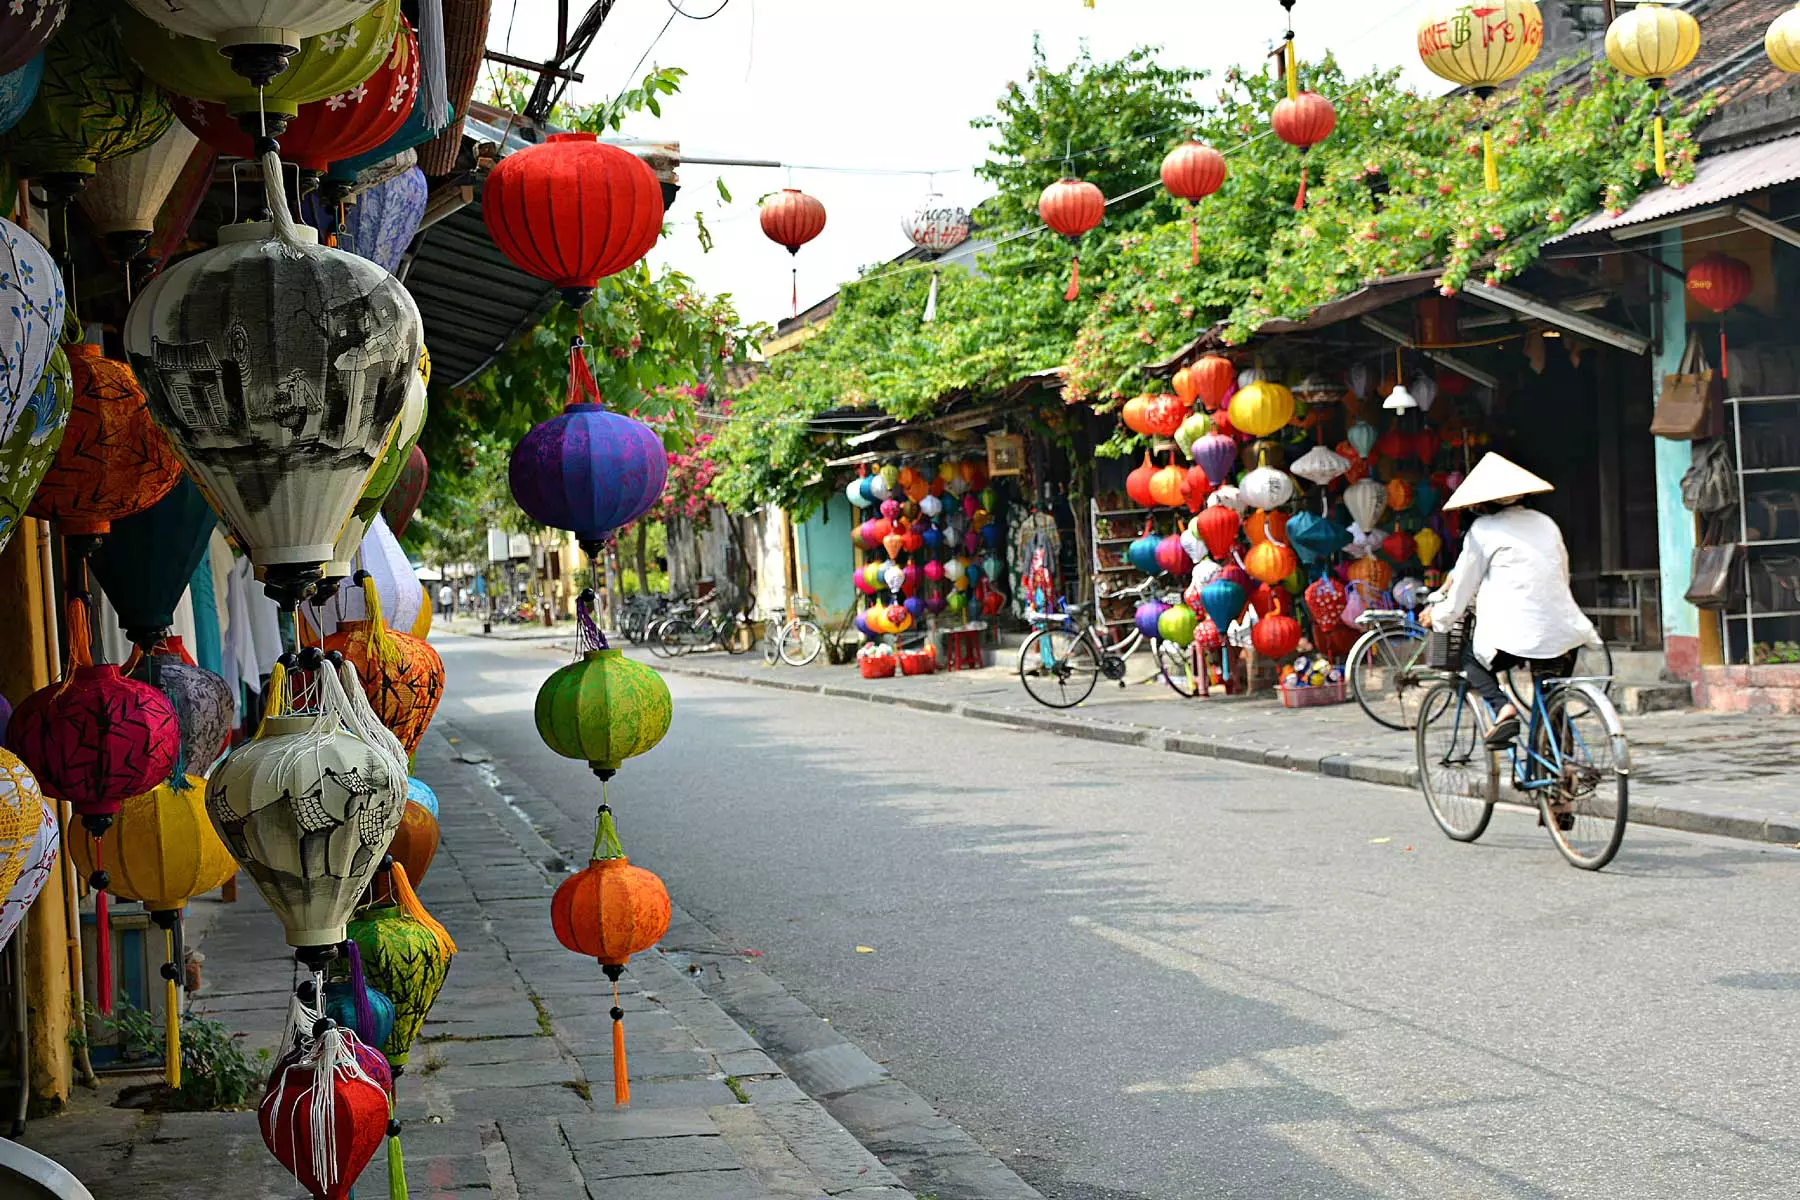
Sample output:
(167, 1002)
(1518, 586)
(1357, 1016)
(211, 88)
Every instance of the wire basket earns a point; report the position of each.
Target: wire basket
(1449, 646)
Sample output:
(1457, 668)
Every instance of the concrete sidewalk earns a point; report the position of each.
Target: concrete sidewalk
(1706, 772)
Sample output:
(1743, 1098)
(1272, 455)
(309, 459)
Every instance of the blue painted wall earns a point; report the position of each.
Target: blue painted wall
(824, 556)
(1674, 523)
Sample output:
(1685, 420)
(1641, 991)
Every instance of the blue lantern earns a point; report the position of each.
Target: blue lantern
(17, 90)
(421, 794)
(145, 563)
(1142, 553)
(383, 220)
(1223, 601)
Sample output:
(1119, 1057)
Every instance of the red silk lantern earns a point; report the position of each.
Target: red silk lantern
(1193, 171)
(1137, 484)
(1398, 545)
(1304, 121)
(791, 218)
(1206, 635)
(1199, 487)
(1164, 415)
(1215, 378)
(573, 210)
(1720, 282)
(1325, 600)
(1276, 635)
(327, 1083)
(1133, 413)
(1265, 599)
(1218, 528)
(1392, 444)
(1071, 207)
(330, 130)
(1168, 487)
(1425, 444)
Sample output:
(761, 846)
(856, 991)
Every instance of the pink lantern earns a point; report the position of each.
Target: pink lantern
(890, 509)
(909, 579)
(934, 570)
(1172, 557)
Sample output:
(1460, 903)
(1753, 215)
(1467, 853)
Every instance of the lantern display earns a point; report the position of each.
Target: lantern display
(1071, 207)
(1303, 121)
(279, 421)
(1261, 408)
(1218, 527)
(603, 708)
(384, 219)
(1276, 635)
(41, 857)
(1176, 624)
(324, 64)
(114, 461)
(1270, 562)
(791, 218)
(1168, 486)
(21, 814)
(26, 455)
(409, 488)
(401, 676)
(92, 104)
(18, 88)
(308, 807)
(1720, 282)
(1320, 465)
(1267, 488)
(1224, 601)
(573, 210)
(1782, 41)
(1193, 171)
(403, 601)
(26, 28)
(126, 193)
(1367, 500)
(1480, 46)
(608, 912)
(324, 1115)
(31, 319)
(406, 955)
(1652, 42)
(1214, 379)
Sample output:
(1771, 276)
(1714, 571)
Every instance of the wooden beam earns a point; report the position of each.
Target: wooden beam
(1461, 366)
(1562, 318)
(445, 201)
(525, 64)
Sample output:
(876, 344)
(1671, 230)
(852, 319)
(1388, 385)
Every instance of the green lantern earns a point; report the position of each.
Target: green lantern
(324, 65)
(406, 956)
(92, 105)
(605, 708)
(27, 454)
(1177, 624)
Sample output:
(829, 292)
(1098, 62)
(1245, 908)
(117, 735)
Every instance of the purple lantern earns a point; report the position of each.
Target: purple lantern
(385, 218)
(862, 625)
(935, 602)
(25, 28)
(1148, 613)
(1216, 454)
(589, 470)
(1224, 601)
(915, 606)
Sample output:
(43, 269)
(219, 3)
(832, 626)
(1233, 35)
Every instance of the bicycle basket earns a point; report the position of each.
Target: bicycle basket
(1448, 646)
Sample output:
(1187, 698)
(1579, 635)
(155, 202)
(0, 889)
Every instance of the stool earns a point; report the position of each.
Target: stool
(962, 650)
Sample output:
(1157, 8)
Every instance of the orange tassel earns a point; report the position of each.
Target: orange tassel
(621, 1076)
(1300, 200)
(1724, 357)
(1074, 279)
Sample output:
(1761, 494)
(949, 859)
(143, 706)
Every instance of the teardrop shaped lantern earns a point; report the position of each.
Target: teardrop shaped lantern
(145, 563)
(384, 219)
(308, 807)
(415, 843)
(603, 708)
(381, 481)
(1071, 207)
(1480, 44)
(278, 367)
(409, 488)
(257, 36)
(573, 210)
(114, 460)
(401, 675)
(92, 105)
(1303, 121)
(324, 1114)
(126, 193)
(406, 954)
(26, 28)
(25, 457)
(1193, 171)
(1652, 42)
(325, 64)
(205, 705)
(18, 88)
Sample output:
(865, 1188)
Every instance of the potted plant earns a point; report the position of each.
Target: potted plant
(840, 637)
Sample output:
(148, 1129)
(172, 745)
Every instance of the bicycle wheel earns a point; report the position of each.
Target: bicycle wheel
(1582, 746)
(653, 637)
(736, 636)
(675, 637)
(1385, 674)
(1458, 774)
(1058, 668)
(801, 642)
(771, 647)
(1179, 666)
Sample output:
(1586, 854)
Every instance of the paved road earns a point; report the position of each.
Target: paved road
(1139, 978)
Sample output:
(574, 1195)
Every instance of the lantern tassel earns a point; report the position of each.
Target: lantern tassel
(1293, 75)
(275, 195)
(582, 387)
(396, 1161)
(1300, 200)
(1490, 170)
(794, 286)
(621, 1072)
(359, 990)
(931, 299)
(1724, 356)
(1193, 234)
(385, 649)
(1656, 132)
(1074, 288)
(103, 949)
(171, 1013)
(409, 901)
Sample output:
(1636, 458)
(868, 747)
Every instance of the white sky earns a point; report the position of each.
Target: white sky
(854, 83)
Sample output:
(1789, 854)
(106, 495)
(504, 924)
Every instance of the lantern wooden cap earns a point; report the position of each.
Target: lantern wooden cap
(263, 231)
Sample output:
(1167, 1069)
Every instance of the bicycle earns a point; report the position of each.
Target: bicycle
(795, 640)
(640, 611)
(1573, 758)
(666, 634)
(706, 630)
(1066, 655)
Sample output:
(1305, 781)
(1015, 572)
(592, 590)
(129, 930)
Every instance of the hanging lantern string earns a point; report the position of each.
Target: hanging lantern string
(1292, 72)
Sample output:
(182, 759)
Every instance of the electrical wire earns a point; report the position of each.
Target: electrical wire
(690, 16)
(633, 73)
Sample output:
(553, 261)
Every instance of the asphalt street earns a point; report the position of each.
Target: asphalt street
(1139, 976)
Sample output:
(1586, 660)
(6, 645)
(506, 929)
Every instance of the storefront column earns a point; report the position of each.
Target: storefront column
(1674, 523)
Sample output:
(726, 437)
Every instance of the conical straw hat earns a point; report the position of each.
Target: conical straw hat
(1496, 478)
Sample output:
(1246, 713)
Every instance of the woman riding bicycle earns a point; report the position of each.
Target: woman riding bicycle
(1515, 568)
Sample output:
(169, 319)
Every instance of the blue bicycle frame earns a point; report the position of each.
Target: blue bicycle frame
(1533, 772)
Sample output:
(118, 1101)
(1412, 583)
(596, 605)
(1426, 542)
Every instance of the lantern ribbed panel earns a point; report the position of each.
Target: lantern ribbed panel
(1071, 207)
(1719, 281)
(126, 193)
(1652, 42)
(233, 22)
(610, 911)
(1261, 409)
(96, 739)
(403, 958)
(604, 709)
(588, 470)
(465, 41)
(402, 676)
(18, 88)
(161, 849)
(403, 599)
(1304, 121)
(1193, 171)
(416, 841)
(359, 1108)
(26, 455)
(1480, 50)
(1782, 41)
(791, 218)
(572, 210)
(26, 28)
(21, 812)
(145, 563)
(41, 857)
(92, 105)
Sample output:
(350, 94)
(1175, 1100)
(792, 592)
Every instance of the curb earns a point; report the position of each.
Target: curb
(1740, 824)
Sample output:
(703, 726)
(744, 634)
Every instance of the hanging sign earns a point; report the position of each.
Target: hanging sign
(1006, 454)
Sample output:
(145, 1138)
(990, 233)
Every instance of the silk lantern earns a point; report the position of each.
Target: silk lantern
(145, 563)
(1141, 553)
(323, 1115)
(92, 104)
(256, 35)
(1215, 454)
(1193, 427)
(1137, 484)
(1303, 121)
(127, 192)
(1267, 526)
(409, 488)
(1270, 562)
(1147, 615)
(25, 457)
(406, 954)
(1720, 282)
(791, 218)
(205, 706)
(573, 210)
(18, 88)
(365, 1011)
(1261, 408)
(1480, 46)
(1267, 488)
(279, 421)
(308, 807)
(21, 814)
(1071, 207)
(404, 604)
(1651, 42)
(1367, 500)
(1132, 414)
(1224, 601)
(1399, 495)
(1325, 600)
(1176, 624)
(608, 912)
(41, 857)
(1372, 573)
(1172, 558)
(31, 319)
(1320, 465)
(1398, 545)
(1315, 538)
(1427, 543)
(1275, 636)
(1164, 415)
(1218, 527)
(603, 708)
(1362, 437)
(1168, 486)
(1215, 378)
(1782, 41)
(401, 676)
(1193, 171)
(26, 28)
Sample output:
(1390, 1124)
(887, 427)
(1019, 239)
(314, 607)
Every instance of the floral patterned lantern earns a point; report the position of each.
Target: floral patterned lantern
(21, 812)
(41, 857)
(383, 221)
(91, 105)
(25, 457)
(26, 28)
(31, 319)
(1071, 207)
(603, 708)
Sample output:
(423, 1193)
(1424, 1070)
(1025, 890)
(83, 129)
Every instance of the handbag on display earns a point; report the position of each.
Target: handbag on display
(1714, 576)
(1710, 484)
(1690, 405)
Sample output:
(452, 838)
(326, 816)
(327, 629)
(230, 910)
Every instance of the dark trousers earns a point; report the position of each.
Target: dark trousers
(1486, 683)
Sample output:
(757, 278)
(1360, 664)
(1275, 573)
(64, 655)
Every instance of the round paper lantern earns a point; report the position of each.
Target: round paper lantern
(1270, 562)
(92, 104)
(1719, 281)
(145, 563)
(1137, 484)
(41, 858)
(402, 676)
(1168, 486)
(1303, 120)
(324, 1115)
(308, 807)
(1427, 543)
(18, 88)
(573, 210)
(31, 319)
(1214, 379)
(96, 739)
(1193, 171)
(589, 470)
(1218, 527)
(1782, 41)
(936, 226)
(1366, 500)
(21, 815)
(279, 421)
(1372, 572)
(409, 487)
(1224, 601)
(406, 955)
(1276, 635)
(1172, 558)
(1176, 624)
(1398, 545)
(1267, 488)
(25, 457)
(604, 708)
(1261, 408)
(1652, 42)
(1147, 616)
(1480, 46)
(1071, 207)
(26, 28)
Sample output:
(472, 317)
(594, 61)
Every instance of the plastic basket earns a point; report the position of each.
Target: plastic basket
(1307, 697)
(876, 666)
(917, 662)
(1448, 646)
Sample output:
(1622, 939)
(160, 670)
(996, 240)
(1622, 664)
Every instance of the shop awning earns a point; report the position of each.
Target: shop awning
(1717, 181)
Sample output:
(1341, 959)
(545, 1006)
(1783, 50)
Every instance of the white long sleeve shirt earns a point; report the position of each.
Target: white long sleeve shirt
(1515, 568)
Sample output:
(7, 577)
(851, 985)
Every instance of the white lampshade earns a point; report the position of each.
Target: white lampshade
(1399, 400)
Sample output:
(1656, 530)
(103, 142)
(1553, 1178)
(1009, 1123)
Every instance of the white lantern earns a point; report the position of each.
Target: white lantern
(1361, 378)
(1266, 488)
(931, 506)
(1399, 400)
(278, 368)
(953, 569)
(893, 577)
(1250, 375)
(1229, 497)
(936, 226)
(31, 319)
(1205, 571)
(1320, 465)
(412, 420)
(878, 487)
(1367, 500)
(253, 23)
(40, 860)
(853, 493)
(404, 605)
(1424, 391)
(125, 194)
(1318, 388)
(309, 808)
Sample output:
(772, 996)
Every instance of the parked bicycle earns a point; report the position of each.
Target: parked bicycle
(793, 639)
(1062, 662)
(1573, 760)
(639, 612)
(705, 628)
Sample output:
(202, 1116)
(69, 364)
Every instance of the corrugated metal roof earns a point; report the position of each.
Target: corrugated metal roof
(472, 299)
(1717, 179)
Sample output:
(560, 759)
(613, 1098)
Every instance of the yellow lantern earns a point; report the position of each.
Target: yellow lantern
(1261, 407)
(1783, 41)
(1481, 46)
(1427, 543)
(1652, 43)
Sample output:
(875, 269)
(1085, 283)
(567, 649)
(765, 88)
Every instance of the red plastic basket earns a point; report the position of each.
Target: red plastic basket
(1307, 697)
(917, 662)
(876, 666)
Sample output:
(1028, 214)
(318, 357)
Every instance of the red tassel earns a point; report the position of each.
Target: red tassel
(1300, 200)
(103, 949)
(581, 377)
(1194, 235)
(1074, 289)
(621, 1076)
(1724, 358)
(796, 290)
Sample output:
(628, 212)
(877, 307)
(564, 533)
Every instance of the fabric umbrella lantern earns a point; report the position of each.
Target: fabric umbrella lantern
(279, 421)
(1224, 601)
(309, 807)
(383, 221)
(1218, 528)
(31, 319)
(573, 210)
(21, 814)
(1267, 488)
(26, 28)
(1071, 207)
(1303, 120)
(25, 457)
(323, 1115)
(409, 488)
(608, 912)
(126, 193)
(1367, 500)
(41, 857)
(402, 676)
(18, 88)
(603, 708)
(145, 563)
(791, 218)
(1720, 282)
(1261, 408)
(1652, 42)
(1480, 46)
(1193, 171)
(406, 955)
(1320, 465)
(1315, 538)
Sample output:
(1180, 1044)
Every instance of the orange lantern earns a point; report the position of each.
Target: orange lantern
(1193, 171)
(401, 675)
(1270, 562)
(1137, 484)
(1214, 379)
(416, 841)
(1168, 486)
(1133, 413)
(1399, 494)
(1372, 573)
(1186, 386)
(114, 461)
(1268, 525)
(1072, 207)
(1276, 635)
